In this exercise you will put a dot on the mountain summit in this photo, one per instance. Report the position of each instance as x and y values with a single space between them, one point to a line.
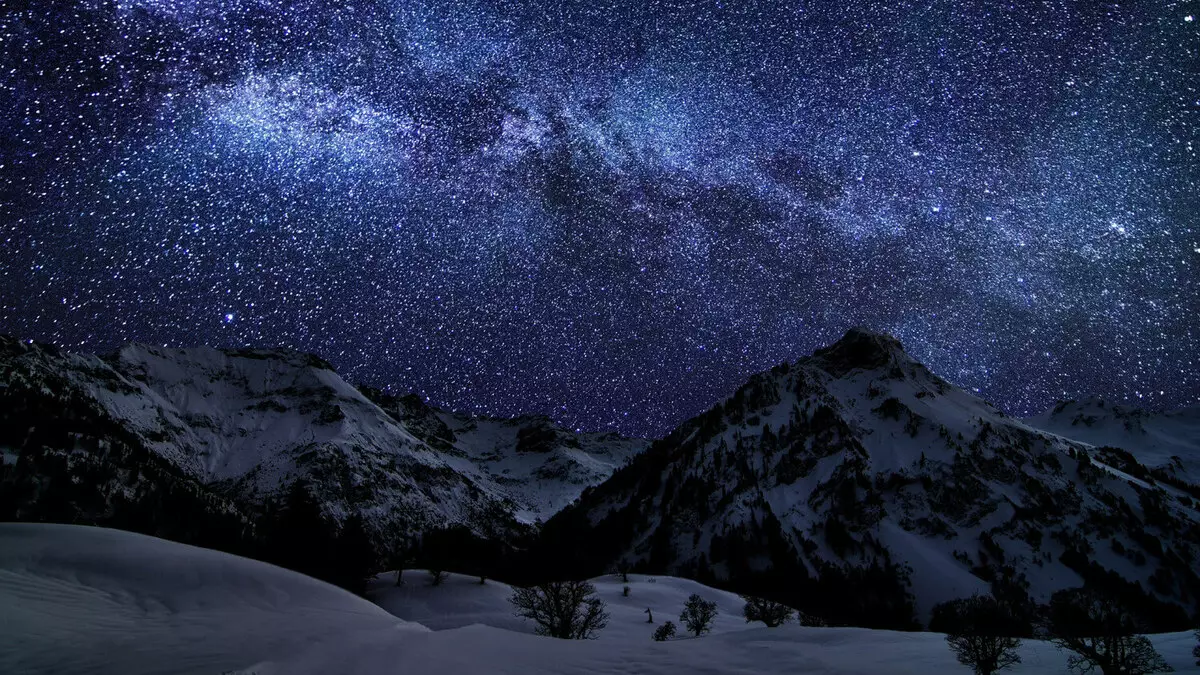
853 483
858 485
861 349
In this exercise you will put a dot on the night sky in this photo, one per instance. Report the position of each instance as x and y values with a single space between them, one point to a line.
612 211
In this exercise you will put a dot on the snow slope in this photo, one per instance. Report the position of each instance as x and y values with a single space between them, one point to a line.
462 609
250 422
1168 440
88 600
462 601
858 457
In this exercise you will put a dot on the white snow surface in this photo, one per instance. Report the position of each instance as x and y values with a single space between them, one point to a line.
81 599
1168 439
89 600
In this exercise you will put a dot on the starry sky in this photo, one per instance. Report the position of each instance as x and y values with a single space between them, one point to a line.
612 211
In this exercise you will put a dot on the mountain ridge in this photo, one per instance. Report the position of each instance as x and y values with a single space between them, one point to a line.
876 486
248 423
859 463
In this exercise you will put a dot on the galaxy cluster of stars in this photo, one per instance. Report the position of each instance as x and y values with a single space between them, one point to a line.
612 211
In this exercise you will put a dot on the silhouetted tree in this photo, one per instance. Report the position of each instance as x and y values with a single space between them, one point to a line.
399 559
353 556
698 614
981 632
437 576
563 609
1101 633
771 613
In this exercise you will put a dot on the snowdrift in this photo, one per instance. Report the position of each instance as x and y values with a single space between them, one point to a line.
88 600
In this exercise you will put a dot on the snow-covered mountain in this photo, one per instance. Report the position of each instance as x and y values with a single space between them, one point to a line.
249 423
861 484
1168 441
99 601
860 468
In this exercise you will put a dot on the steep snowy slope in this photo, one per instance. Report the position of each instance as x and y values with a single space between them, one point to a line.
251 422
860 468
1168 441
87 600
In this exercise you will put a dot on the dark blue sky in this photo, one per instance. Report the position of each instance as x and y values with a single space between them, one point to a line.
612 212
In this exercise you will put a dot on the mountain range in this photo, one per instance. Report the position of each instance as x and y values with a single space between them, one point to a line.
853 483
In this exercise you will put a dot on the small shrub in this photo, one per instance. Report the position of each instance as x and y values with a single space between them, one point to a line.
664 632
437 577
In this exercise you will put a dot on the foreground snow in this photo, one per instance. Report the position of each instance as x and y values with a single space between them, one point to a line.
87 600
90 600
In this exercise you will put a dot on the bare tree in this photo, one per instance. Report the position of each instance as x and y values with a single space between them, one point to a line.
1102 634
399 559
769 612
982 633
562 609
698 614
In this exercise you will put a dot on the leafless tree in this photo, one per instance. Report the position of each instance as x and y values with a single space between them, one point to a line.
983 634
985 653
1101 634
562 609
698 614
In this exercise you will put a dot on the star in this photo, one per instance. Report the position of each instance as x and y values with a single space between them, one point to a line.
613 217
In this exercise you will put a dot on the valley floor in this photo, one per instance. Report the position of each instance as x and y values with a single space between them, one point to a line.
88 600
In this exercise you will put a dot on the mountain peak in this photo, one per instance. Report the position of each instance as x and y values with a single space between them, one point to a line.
860 348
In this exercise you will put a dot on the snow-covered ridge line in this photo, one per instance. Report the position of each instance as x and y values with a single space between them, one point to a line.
251 422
